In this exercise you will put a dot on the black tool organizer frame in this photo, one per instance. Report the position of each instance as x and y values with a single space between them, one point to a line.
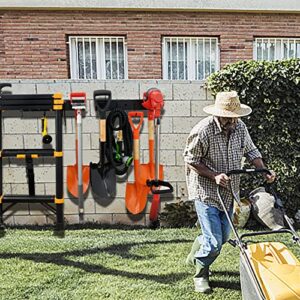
42 102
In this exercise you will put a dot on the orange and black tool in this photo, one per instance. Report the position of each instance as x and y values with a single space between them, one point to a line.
137 192
78 175
153 101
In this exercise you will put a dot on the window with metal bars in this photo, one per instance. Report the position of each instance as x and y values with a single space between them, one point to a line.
190 58
98 57
276 48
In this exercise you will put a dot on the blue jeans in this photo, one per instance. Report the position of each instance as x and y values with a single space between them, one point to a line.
215 232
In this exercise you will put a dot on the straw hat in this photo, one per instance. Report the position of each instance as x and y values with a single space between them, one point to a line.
228 105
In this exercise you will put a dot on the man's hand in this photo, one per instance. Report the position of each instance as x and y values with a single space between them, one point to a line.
222 180
270 178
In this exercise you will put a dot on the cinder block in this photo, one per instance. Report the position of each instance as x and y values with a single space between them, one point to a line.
185 125
188 91
53 88
116 205
182 191
8 220
167 157
30 220
175 174
166 125
91 156
22 188
71 206
15 175
87 87
69 127
37 209
12 141
71 219
69 141
36 141
23 88
164 87
90 125
98 218
91 108
95 144
17 125
179 158
173 141
50 188
129 219
177 109
127 89
6 189
197 108
45 174
19 209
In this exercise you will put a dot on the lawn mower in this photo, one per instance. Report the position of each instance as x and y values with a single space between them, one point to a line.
268 270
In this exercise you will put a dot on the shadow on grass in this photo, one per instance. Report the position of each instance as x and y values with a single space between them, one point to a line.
69 227
231 282
122 250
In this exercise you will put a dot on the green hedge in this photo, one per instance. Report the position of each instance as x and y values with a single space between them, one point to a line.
272 89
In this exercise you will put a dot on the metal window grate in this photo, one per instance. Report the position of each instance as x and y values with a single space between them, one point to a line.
276 48
189 58
98 57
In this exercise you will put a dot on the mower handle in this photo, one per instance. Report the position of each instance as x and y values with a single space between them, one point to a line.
248 171
283 230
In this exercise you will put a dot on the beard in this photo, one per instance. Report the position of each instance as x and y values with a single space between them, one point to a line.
229 127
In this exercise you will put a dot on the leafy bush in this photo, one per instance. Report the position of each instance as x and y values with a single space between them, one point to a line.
272 89
179 214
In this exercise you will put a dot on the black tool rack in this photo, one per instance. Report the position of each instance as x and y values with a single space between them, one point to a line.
42 102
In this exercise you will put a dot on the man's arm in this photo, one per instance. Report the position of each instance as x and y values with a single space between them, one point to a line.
219 178
259 164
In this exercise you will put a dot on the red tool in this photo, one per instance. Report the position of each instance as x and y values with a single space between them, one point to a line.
154 102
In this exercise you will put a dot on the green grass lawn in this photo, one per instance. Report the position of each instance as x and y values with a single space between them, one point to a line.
110 264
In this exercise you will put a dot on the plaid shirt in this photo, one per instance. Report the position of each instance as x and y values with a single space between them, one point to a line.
208 144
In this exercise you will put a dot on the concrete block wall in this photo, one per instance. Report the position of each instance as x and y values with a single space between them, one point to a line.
184 101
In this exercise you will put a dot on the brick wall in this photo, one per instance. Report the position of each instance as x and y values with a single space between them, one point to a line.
33 43
183 109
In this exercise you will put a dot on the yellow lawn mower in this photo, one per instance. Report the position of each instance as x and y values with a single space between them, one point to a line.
268 270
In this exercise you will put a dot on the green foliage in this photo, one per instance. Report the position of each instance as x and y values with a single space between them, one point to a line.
272 89
180 214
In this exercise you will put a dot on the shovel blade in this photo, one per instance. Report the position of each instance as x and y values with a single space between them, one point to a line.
72 179
145 173
136 197
103 181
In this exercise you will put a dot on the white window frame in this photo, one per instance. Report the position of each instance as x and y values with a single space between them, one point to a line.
100 56
190 55
279 48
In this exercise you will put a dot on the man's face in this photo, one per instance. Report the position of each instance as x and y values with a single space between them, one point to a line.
228 124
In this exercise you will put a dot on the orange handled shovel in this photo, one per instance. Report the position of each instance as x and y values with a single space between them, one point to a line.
136 193
78 175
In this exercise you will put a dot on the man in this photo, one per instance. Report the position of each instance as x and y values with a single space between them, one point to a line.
215 146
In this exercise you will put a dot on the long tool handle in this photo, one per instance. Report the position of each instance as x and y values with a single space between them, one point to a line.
151 143
79 161
136 139
157 146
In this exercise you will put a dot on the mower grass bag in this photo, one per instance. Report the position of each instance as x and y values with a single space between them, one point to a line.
276 269
265 210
